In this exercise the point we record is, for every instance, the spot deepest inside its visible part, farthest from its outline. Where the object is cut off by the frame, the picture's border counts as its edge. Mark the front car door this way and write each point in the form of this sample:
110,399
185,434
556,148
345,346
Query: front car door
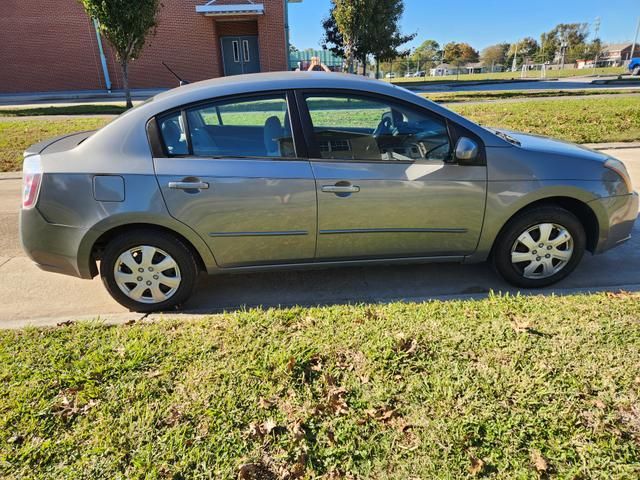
387,184
230,171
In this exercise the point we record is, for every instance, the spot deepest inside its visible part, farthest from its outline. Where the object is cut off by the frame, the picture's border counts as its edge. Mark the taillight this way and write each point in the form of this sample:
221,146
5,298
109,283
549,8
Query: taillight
31,181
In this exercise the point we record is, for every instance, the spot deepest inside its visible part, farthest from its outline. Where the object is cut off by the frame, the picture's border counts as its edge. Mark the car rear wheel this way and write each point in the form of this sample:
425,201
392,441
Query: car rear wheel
148,271
539,247
636,71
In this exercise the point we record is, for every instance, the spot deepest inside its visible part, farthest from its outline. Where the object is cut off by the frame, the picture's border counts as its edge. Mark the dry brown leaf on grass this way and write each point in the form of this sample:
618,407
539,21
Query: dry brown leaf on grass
265,404
538,461
255,471
519,324
298,431
620,294
291,363
477,465
336,401
382,414
259,430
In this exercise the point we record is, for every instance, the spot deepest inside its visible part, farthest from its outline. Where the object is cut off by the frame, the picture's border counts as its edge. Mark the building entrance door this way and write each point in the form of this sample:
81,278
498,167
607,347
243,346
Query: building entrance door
240,54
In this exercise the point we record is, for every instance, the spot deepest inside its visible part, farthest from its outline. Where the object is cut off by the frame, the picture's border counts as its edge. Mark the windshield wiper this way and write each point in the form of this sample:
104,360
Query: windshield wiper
506,137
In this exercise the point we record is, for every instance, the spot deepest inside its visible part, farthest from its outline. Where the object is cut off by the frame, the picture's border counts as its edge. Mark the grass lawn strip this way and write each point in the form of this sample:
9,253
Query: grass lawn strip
506,387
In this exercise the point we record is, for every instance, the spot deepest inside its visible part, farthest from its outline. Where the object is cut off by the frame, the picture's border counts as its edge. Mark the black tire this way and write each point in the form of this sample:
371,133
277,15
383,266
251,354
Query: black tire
165,242
520,224
636,71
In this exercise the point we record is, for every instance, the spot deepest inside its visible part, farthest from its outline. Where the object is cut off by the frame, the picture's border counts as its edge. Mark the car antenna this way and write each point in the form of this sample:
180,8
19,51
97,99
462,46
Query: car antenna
182,81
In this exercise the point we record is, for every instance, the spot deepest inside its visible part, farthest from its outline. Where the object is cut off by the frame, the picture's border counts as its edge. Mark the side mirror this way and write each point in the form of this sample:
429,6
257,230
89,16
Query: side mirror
466,150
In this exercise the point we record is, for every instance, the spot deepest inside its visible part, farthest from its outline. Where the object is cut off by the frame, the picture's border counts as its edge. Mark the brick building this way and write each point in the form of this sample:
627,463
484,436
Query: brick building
53,46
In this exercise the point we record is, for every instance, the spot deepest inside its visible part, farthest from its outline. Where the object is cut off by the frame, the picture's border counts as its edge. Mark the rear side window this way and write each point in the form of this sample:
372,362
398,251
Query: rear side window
173,134
242,127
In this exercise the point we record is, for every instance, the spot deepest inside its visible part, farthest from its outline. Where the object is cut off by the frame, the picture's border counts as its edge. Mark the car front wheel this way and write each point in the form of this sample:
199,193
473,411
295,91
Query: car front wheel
539,247
148,271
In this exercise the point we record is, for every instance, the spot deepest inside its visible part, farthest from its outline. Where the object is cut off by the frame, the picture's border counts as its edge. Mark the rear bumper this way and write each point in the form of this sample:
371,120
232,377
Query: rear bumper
54,248
616,217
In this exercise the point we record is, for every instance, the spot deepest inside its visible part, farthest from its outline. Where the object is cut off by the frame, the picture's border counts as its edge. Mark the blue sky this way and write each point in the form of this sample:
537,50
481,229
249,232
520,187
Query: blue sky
482,22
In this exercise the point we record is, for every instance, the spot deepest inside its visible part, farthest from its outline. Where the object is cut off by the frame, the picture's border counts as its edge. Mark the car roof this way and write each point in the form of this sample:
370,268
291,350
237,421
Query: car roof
256,82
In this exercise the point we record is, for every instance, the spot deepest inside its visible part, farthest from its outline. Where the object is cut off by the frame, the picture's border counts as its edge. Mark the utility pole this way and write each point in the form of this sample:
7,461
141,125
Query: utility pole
635,40
514,66
596,38
563,49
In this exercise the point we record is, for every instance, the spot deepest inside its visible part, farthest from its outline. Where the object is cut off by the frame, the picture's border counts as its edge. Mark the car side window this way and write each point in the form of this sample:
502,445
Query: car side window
173,135
350,127
251,127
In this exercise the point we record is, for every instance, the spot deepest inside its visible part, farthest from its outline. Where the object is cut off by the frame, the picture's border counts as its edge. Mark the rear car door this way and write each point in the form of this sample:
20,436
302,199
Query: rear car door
387,183
230,171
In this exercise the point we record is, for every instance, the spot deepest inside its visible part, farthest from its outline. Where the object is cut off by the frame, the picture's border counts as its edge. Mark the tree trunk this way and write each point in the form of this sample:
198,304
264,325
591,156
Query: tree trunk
364,66
377,68
125,82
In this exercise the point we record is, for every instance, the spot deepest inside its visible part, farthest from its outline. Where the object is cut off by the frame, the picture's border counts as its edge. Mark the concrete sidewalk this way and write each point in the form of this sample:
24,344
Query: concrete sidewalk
38,99
29,296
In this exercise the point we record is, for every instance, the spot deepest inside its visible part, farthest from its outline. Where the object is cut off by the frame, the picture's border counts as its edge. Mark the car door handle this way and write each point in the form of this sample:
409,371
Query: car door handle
340,188
189,185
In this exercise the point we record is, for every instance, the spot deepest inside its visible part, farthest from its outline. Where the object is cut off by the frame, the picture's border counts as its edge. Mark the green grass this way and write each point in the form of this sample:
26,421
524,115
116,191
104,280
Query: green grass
17,135
534,74
582,120
506,387
454,97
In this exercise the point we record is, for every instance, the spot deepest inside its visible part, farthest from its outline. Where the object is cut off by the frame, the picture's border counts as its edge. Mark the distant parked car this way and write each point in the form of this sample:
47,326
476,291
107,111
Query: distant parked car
634,66
308,169
390,75
420,73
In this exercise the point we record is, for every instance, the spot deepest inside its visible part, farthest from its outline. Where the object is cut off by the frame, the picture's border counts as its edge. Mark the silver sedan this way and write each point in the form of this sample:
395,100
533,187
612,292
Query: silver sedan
307,169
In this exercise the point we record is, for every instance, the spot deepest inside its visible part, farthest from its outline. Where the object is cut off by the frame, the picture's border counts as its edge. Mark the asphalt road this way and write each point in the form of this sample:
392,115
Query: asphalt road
29,296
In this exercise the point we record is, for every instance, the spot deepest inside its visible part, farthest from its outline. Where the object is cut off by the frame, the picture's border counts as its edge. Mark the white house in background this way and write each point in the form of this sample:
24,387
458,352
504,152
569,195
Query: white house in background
468,68
446,69
475,67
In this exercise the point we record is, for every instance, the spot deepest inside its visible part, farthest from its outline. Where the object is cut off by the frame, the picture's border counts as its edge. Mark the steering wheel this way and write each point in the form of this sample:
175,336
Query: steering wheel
385,127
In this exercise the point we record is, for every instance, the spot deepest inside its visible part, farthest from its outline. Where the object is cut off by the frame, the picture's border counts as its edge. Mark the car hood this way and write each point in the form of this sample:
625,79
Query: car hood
538,143
59,143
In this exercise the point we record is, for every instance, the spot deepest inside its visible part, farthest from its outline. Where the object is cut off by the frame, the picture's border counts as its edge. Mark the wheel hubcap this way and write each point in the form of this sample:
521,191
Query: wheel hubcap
542,250
147,274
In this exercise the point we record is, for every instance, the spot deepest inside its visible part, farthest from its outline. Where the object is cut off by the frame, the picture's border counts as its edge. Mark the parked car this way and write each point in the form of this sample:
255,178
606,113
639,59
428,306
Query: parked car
390,75
634,66
308,169
420,73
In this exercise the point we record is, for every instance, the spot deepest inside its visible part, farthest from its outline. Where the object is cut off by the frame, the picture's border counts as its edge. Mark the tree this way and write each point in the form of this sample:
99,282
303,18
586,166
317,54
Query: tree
527,48
428,53
347,16
460,53
495,54
125,24
372,30
575,36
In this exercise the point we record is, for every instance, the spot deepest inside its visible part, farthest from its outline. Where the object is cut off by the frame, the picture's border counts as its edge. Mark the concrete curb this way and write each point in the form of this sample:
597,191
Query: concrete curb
10,175
612,145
